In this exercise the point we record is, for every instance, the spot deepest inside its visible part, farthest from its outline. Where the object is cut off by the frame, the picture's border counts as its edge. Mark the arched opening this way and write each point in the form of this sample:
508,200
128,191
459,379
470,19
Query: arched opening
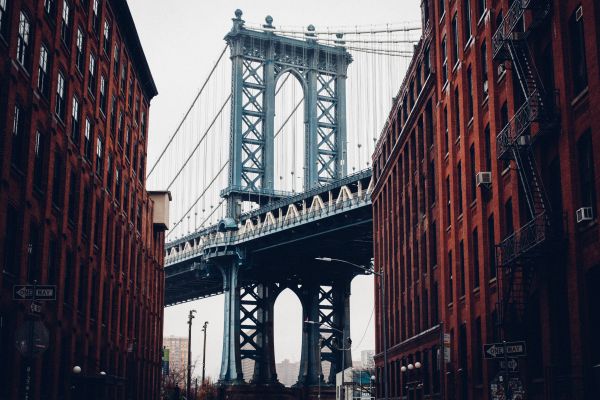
288,337
289,134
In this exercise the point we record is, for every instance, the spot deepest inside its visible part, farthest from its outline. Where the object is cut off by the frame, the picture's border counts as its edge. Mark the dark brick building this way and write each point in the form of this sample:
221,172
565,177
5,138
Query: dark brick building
486,206
75,89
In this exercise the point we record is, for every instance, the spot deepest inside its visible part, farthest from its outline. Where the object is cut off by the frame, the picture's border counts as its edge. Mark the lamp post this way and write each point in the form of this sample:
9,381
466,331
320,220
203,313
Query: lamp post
189,354
416,382
204,327
381,276
342,349
373,377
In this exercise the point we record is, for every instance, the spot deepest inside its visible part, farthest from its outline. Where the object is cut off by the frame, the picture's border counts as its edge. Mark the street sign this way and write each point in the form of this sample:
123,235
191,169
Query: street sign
511,365
42,292
35,308
496,350
447,353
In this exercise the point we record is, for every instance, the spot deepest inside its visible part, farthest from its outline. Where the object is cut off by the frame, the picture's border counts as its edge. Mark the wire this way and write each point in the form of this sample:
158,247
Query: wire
366,329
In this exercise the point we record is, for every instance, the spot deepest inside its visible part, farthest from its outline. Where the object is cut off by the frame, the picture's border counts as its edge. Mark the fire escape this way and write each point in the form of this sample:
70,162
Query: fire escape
519,253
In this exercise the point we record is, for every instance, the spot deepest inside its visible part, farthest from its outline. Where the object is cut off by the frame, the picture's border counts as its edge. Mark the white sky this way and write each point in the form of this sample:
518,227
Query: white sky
182,39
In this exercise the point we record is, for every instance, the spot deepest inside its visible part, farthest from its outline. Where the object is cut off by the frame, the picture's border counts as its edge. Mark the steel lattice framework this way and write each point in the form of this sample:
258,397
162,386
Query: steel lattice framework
259,59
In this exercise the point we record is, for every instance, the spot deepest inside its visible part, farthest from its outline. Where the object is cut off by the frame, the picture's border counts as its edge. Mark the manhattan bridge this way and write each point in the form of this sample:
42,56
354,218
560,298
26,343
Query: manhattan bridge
269,168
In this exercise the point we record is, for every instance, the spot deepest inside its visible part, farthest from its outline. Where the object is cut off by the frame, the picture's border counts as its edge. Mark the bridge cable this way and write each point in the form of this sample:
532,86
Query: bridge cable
188,112
199,142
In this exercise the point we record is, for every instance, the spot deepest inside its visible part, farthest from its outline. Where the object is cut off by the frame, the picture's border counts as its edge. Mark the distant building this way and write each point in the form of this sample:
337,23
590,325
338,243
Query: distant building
366,359
287,372
178,347
248,369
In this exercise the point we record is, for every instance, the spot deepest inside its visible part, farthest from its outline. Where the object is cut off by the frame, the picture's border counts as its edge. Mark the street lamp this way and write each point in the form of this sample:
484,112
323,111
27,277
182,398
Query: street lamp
77,370
381,276
189,366
416,382
342,349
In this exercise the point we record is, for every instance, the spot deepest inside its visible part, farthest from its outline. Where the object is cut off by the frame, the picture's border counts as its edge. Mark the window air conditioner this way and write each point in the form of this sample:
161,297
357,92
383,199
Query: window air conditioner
585,214
483,178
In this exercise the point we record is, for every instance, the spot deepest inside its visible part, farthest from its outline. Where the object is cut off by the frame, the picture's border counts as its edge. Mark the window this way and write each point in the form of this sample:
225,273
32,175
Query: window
75,127
578,58
431,179
121,128
461,253
92,76
117,183
484,69
38,161
3,18
113,115
130,100
456,114
475,258
57,182
467,20
109,172
87,147
103,94
65,27
143,125
116,60
491,247
460,188
49,7
448,204
128,143
73,198
60,97
23,40
450,278
442,8
508,216
123,75
433,245
488,148
42,82
478,353
12,236
18,139
80,52
95,15
445,61
587,186
99,156
106,37
446,134
472,172
455,39
482,8
469,94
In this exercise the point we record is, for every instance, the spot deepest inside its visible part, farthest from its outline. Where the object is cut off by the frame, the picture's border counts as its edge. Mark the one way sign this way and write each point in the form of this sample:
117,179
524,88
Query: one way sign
42,292
496,350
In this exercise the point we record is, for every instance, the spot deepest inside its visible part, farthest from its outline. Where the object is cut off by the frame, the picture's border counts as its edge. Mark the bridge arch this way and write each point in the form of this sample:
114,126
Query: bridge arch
288,311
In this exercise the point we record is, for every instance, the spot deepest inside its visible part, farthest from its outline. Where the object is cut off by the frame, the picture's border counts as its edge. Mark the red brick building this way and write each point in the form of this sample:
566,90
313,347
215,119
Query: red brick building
75,89
486,223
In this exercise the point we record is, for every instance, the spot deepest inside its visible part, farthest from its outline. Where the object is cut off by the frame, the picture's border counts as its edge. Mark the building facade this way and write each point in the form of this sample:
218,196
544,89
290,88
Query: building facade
486,223
178,358
75,89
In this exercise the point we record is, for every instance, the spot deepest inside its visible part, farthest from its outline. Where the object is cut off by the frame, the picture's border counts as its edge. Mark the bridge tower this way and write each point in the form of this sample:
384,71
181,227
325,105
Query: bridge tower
259,58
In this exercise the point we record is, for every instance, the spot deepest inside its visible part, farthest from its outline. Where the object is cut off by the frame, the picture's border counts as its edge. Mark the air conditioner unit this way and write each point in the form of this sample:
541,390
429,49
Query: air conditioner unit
585,214
483,178
524,140
501,69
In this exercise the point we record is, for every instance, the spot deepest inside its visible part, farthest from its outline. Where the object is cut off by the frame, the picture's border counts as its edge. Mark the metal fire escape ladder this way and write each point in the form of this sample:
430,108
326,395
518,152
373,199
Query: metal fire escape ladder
520,250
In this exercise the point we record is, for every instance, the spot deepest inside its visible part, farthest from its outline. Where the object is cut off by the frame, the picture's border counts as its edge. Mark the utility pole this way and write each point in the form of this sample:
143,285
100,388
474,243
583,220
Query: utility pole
189,366
204,327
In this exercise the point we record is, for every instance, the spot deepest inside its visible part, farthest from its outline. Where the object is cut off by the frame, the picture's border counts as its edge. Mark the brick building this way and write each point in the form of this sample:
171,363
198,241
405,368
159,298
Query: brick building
75,89
485,206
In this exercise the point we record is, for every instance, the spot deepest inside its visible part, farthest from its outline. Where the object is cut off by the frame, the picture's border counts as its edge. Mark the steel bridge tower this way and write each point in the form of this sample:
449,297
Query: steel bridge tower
259,59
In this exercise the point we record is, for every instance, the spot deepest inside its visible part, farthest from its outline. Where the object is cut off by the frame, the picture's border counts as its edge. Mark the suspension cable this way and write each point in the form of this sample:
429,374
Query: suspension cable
188,112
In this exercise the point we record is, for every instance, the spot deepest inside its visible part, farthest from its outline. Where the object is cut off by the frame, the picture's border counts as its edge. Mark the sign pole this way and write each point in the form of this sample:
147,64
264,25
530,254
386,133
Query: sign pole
29,354
505,369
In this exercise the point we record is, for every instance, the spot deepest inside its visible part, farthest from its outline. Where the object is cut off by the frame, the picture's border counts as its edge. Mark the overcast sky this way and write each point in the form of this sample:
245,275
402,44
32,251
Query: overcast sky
182,39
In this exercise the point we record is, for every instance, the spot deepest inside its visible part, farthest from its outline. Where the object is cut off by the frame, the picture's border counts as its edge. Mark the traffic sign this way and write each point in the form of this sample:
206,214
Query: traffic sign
42,292
496,350
35,307
511,365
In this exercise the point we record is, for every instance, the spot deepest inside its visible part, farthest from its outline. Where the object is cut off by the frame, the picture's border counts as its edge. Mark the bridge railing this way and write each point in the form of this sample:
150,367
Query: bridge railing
276,219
